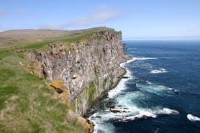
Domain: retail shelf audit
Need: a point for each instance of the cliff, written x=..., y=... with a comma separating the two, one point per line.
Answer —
x=48, y=86
x=86, y=68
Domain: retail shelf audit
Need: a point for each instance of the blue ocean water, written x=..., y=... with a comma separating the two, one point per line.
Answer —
x=162, y=93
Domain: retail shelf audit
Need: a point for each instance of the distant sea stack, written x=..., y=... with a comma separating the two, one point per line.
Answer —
x=81, y=69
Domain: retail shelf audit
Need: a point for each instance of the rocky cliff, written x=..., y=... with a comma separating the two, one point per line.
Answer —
x=81, y=70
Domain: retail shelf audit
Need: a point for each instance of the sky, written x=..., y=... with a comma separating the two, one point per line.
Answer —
x=137, y=19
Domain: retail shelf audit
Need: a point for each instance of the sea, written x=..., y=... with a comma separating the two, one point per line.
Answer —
x=160, y=92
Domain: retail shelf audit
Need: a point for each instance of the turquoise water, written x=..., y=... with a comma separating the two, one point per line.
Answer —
x=162, y=93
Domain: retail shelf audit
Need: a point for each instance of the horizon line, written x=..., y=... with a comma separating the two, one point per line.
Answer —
x=164, y=38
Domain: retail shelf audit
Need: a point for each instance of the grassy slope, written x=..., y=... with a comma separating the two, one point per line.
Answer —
x=26, y=103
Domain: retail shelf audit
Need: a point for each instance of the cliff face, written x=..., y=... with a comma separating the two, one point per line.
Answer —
x=82, y=69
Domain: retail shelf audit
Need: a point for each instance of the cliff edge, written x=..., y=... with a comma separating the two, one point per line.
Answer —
x=78, y=69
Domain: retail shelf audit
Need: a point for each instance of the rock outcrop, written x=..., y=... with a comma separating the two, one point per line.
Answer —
x=85, y=68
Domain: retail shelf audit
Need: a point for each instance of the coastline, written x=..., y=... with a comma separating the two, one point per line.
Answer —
x=142, y=100
x=114, y=92
x=105, y=94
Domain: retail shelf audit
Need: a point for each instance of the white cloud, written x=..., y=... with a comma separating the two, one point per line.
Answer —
x=98, y=17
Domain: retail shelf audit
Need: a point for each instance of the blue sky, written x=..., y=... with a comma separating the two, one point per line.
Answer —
x=135, y=18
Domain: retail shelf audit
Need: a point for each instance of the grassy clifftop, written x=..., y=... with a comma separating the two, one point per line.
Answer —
x=39, y=38
x=27, y=103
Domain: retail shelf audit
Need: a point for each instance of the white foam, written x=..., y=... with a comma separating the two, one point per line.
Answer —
x=122, y=84
x=129, y=61
x=161, y=70
x=193, y=118
x=128, y=99
x=100, y=126
x=145, y=58
x=148, y=82
x=155, y=88
x=118, y=89
x=153, y=113
x=126, y=107
x=132, y=48
x=142, y=114
x=132, y=113
x=159, y=87
x=166, y=111
x=101, y=119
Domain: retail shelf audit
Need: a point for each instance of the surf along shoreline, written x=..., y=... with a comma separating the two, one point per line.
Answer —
x=113, y=92
x=93, y=107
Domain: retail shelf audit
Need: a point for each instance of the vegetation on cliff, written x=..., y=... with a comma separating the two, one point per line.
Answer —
x=30, y=103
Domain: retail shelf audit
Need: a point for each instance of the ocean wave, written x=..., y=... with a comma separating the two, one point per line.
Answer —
x=148, y=113
x=144, y=58
x=167, y=111
x=126, y=108
x=140, y=115
x=154, y=88
x=124, y=114
x=129, y=61
x=122, y=84
x=127, y=99
x=158, y=71
x=193, y=118
x=99, y=125
x=119, y=88
x=148, y=82
x=132, y=48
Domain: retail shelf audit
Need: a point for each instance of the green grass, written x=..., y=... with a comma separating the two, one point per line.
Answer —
x=76, y=37
x=38, y=45
x=26, y=102
x=67, y=40
x=4, y=53
x=5, y=92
